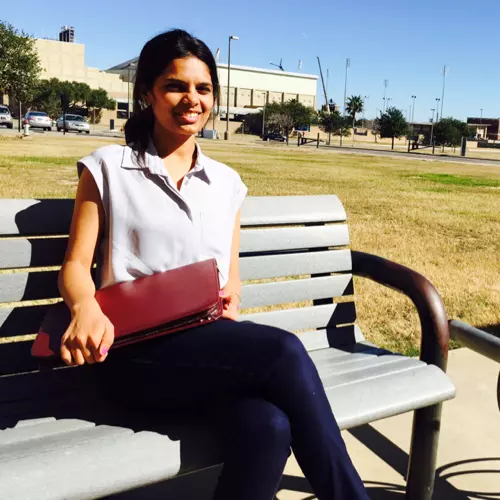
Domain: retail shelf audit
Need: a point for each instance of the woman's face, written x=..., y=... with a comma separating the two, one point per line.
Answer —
x=182, y=97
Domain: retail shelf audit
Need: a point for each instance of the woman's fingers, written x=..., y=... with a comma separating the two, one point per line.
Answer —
x=107, y=341
x=66, y=354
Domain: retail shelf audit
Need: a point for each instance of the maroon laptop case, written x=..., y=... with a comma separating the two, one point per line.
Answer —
x=144, y=308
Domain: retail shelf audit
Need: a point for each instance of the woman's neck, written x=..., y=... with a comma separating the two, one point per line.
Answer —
x=178, y=148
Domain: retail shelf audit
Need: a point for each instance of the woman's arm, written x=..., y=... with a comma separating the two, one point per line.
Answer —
x=90, y=332
x=232, y=290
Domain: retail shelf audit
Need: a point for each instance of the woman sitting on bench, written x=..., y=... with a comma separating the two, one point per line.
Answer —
x=159, y=203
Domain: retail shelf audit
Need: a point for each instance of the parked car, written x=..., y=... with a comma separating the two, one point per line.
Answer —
x=74, y=123
x=5, y=117
x=38, y=119
x=274, y=136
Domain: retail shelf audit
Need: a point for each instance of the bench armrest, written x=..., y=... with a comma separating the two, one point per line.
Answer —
x=430, y=307
x=478, y=340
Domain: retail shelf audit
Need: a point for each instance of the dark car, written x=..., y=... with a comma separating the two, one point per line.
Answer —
x=274, y=136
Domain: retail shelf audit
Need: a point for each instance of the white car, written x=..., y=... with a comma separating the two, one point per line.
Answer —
x=75, y=123
x=38, y=119
x=5, y=117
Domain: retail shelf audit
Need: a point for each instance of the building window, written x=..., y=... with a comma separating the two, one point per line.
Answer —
x=122, y=110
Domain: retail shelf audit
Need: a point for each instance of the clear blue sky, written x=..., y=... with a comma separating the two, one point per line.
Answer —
x=405, y=42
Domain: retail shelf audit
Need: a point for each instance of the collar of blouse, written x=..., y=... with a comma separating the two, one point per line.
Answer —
x=154, y=163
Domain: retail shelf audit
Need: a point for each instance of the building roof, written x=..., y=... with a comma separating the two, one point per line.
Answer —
x=125, y=66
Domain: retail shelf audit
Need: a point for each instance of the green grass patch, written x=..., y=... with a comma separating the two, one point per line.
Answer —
x=457, y=180
x=44, y=160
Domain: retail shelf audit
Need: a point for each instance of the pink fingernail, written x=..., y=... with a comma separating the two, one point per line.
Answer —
x=104, y=351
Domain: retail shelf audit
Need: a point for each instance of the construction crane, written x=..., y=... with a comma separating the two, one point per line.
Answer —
x=324, y=87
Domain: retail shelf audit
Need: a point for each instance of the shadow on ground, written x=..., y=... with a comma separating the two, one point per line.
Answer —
x=200, y=485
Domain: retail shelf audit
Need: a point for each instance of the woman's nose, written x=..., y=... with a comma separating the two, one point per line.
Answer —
x=192, y=97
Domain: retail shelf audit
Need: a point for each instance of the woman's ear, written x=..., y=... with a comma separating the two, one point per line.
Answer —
x=149, y=98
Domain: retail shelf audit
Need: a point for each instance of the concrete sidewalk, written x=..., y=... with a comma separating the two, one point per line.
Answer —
x=469, y=447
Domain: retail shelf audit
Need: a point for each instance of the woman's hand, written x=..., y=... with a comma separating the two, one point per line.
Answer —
x=89, y=335
x=231, y=304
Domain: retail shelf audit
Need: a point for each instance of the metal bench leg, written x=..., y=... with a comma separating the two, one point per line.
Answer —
x=423, y=452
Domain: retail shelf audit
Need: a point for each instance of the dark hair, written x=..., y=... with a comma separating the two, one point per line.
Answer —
x=155, y=56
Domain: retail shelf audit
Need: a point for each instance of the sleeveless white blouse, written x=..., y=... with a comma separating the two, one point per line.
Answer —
x=151, y=226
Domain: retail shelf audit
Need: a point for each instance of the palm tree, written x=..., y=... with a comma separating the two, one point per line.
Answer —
x=354, y=105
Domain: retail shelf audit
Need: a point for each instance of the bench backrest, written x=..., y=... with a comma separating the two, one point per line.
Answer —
x=293, y=252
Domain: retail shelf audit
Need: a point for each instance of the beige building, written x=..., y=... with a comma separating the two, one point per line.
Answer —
x=250, y=88
x=66, y=61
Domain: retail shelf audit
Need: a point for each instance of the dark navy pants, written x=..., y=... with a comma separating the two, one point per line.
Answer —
x=263, y=393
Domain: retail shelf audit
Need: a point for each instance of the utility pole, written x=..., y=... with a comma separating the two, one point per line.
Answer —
x=347, y=66
x=386, y=84
x=445, y=72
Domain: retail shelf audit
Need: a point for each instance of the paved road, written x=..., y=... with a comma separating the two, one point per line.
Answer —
x=54, y=133
x=412, y=156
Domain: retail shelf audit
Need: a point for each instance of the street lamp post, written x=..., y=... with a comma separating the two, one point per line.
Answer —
x=432, y=124
x=365, y=97
x=232, y=37
x=129, y=65
x=264, y=114
x=413, y=116
x=437, y=108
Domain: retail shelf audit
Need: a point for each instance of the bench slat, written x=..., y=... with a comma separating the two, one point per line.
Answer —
x=293, y=238
x=274, y=210
x=20, y=320
x=274, y=266
x=306, y=318
x=22, y=433
x=365, y=401
x=35, y=217
x=15, y=287
x=287, y=292
x=107, y=465
x=30, y=252
x=15, y=357
x=53, y=216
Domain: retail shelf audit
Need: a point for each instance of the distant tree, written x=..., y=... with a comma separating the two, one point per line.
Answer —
x=302, y=116
x=283, y=122
x=355, y=105
x=392, y=124
x=333, y=123
x=19, y=63
x=98, y=100
x=375, y=126
x=47, y=97
x=449, y=132
x=80, y=98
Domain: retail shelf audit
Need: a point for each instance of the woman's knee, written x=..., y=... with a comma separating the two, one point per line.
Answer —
x=262, y=423
x=291, y=348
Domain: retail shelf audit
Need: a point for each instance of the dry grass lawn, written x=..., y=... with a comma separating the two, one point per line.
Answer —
x=441, y=219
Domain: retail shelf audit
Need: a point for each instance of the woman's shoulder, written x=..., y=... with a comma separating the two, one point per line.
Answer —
x=108, y=154
x=219, y=170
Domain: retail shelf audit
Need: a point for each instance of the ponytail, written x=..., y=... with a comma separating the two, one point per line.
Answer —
x=138, y=130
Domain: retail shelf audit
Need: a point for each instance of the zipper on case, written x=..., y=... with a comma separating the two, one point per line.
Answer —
x=210, y=315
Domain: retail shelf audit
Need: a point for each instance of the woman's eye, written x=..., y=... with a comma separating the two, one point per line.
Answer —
x=204, y=90
x=173, y=87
